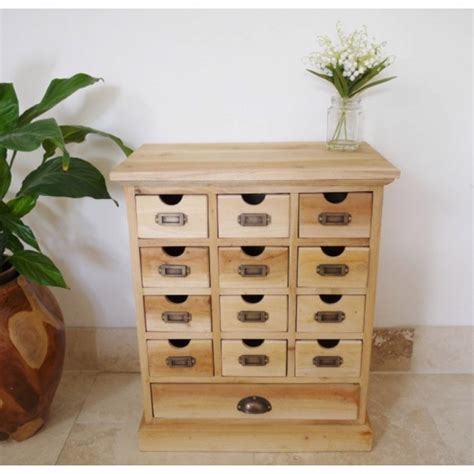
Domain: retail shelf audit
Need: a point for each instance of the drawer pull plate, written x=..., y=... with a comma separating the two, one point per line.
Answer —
x=176, y=316
x=254, y=360
x=334, y=218
x=178, y=271
x=171, y=218
x=252, y=316
x=176, y=362
x=329, y=316
x=328, y=361
x=254, y=405
x=254, y=220
x=332, y=269
x=253, y=270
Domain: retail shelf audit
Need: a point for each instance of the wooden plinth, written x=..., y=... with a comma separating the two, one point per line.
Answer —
x=271, y=436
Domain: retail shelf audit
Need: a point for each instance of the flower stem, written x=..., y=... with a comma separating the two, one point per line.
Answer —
x=12, y=159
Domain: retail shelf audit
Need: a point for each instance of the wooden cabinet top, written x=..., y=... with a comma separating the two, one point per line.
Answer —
x=295, y=163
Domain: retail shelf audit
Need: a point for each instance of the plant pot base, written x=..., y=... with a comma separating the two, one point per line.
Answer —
x=32, y=343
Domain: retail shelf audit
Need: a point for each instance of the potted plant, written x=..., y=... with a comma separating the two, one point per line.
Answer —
x=31, y=324
x=351, y=66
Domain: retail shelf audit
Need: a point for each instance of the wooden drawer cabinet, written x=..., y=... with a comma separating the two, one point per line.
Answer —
x=254, y=271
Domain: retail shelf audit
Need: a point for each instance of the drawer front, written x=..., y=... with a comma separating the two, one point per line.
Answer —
x=241, y=359
x=294, y=402
x=192, y=360
x=264, y=267
x=314, y=360
x=188, y=269
x=349, y=218
x=349, y=269
x=159, y=217
x=178, y=313
x=330, y=313
x=254, y=313
x=247, y=216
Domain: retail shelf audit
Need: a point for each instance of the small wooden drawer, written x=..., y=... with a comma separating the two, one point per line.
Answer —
x=333, y=267
x=335, y=215
x=175, y=267
x=328, y=358
x=272, y=401
x=253, y=357
x=180, y=358
x=172, y=216
x=253, y=267
x=330, y=313
x=178, y=313
x=254, y=313
x=254, y=215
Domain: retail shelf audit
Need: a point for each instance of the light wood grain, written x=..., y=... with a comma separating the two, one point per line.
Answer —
x=255, y=436
x=247, y=163
x=357, y=205
x=351, y=305
x=139, y=307
x=276, y=258
x=199, y=308
x=201, y=350
x=275, y=305
x=196, y=258
x=193, y=207
x=276, y=206
x=350, y=351
x=308, y=402
x=274, y=350
x=356, y=258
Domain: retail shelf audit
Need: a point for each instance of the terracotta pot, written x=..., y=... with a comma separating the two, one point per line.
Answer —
x=32, y=343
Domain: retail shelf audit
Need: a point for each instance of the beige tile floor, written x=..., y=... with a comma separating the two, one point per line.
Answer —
x=417, y=419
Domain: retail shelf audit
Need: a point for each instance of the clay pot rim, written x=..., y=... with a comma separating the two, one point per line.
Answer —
x=8, y=275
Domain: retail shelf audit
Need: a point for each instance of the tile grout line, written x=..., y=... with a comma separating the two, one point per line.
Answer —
x=76, y=417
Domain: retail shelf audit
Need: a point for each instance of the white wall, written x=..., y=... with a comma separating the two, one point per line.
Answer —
x=196, y=76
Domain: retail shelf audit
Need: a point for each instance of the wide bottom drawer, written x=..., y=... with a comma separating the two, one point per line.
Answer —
x=256, y=401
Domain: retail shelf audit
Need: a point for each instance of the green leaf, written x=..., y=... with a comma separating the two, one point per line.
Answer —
x=22, y=205
x=37, y=267
x=82, y=179
x=322, y=76
x=342, y=80
x=8, y=107
x=13, y=243
x=29, y=137
x=5, y=177
x=375, y=83
x=77, y=134
x=368, y=75
x=58, y=90
x=14, y=225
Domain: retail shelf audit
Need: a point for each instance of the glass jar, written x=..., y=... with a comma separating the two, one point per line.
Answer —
x=344, y=123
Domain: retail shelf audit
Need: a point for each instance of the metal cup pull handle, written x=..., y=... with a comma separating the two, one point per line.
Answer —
x=328, y=361
x=178, y=271
x=253, y=360
x=332, y=269
x=176, y=316
x=329, y=316
x=334, y=218
x=252, y=316
x=254, y=219
x=254, y=405
x=253, y=270
x=177, y=362
x=171, y=218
